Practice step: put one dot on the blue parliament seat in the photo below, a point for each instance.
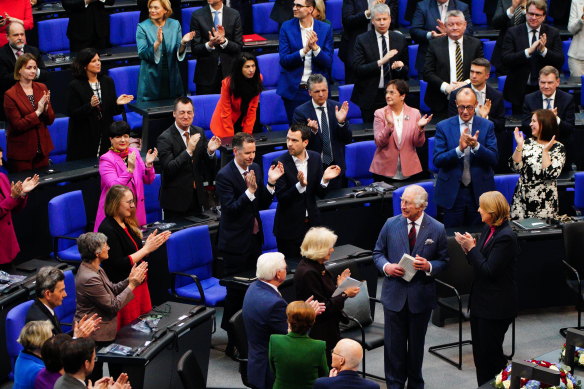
(191, 86)
(431, 166)
(272, 111)
(334, 13)
(478, 17)
(501, 86)
(506, 183)
(402, 6)
(412, 55)
(579, 191)
(123, 26)
(488, 47)
(190, 263)
(262, 24)
(126, 81)
(186, 14)
(267, 162)
(67, 220)
(345, 92)
(59, 131)
(66, 311)
(152, 204)
(338, 72)
(204, 108)
(15, 320)
(428, 186)
(53, 35)
(565, 67)
(269, 65)
(267, 216)
(424, 109)
(358, 157)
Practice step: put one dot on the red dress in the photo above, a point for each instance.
(19, 9)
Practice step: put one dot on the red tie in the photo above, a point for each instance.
(256, 225)
(19, 52)
(412, 236)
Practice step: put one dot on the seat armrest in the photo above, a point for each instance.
(195, 280)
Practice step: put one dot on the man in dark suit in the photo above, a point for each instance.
(356, 21)
(379, 56)
(242, 196)
(297, 189)
(407, 305)
(448, 63)
(186, 159)
(561, 103)
(508, 13)
(88, 23)
(465, 152)
(50, 292)
(8, 53)
(218, 41)
(428, 24)
(329, 132)
(78, 357)
(306, 47)
(526, 49)
(346, 358)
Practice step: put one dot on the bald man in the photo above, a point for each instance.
(346, 358)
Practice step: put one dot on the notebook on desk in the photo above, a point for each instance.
(531, 223)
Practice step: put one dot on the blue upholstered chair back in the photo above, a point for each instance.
(262, 24)
(428, 187)
(15, 320)
(488, 47)
(191, 86)
(267, 161)
(3, 141)
(334, 13)
(423, 106)
(272, 111)
(67, 218)
(431, 166)
(267, 217)
(402, 6)
(506, 183)
(338, 72)
(126, 81)
(478, 16)
(579, 191)
(501, 86)
(345, 92)
(123, 26)
(189, 251)
(53, 35)
(66, 311)
(59, 132)
(204, 108)
(153, 210)
(412, 55)
(358, 157)
(186, 14)
(269, 65)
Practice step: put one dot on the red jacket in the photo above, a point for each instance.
(228, 111)
(19, 9)
(9, 247)
(24, 124)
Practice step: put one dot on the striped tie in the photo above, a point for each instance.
(518, 16)
(459, 75)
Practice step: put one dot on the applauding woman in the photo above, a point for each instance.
(123, 165)
(160, 47)
(27, 106)
(398, 130)
(92, 107)
(240, 95)
(493, 300)
(126, 250)
(539, 162)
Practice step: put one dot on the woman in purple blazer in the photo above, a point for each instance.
(12, 197)
(122, 165)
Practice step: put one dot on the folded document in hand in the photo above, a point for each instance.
(348, 283)
(407, 262)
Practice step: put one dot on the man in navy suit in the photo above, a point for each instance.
(346, 358)
(297, 189)
(465, 152)
(526, 49)
(306, 47)
(428, 24)
(407, 305)
(327, 120)
(240, 237)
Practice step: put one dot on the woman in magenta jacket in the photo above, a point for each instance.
(398, 129)
(122, 165)
(12, 198)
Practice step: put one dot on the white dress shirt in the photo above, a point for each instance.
(481, 94)
(272, 286)
(307, 57)
(251, 196)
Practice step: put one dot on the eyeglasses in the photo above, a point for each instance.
(130, 202)
(337, 354)
(462, 108)
(531, 14)
(296, 5)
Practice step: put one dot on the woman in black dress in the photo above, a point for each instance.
(91, 107)
(312, 279)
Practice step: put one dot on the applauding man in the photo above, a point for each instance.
(327, 120)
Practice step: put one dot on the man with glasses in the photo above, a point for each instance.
(465, 152)
(448, 63)
(306, 47)
(526, 49)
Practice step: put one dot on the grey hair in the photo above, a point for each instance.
(379, 9)
(466, 91)
(8, 28)
(47, 279)
(454, 13)
(420, 194)
(269, 264)
(90, 244)
(315, 78)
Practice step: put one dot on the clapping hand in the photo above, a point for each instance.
(542, 42)
(397, 65)
(316, 305)
(138, 274)
(151, 157)
(519, 139)
(159, 35)
(388, 117)
(548, 146)
(463, 140)
(466, 241)
(331, 172)
(29, 184)
(441, 27)
(423, 122)
(389, 55)
(189, 36)
(301, 179)
(213, 144)
(483, 110)
(193, 140)
(94, 102)
(122, 99)
(313, 124)
(472, 141)
(312, 41)
(43, 103)
(155, 240)
(250, 181)
(341, 114)
(275, 172)
(15, 189)
(123, 382)
(343, 276)
(555, 111)
(131, 161)
(86, 326)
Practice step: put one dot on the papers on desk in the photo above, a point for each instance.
(407, 262)
(348, 283)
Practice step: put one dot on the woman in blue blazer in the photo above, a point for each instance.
(160, 47)
(493, 297)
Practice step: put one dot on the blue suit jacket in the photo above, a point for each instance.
(292, 65)
(424, 20)
(346, 379)
(264, 314)
(431, 243)
(450, 165)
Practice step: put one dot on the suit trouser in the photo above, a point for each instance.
(487, 346)
(464, 212)
(405, 334)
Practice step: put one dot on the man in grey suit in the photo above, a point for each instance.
(407, 305)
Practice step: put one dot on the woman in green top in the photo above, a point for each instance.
(296, 359)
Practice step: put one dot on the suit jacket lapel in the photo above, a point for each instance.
(434, 12)
(403, 233)
(290, 166)
(421, 238)
(239, 177)
(297, 35)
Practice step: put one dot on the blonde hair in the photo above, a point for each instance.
(495, 204)
(321, 8)
(317, 243)
(34, 334)
(165, 4)
(113, 199)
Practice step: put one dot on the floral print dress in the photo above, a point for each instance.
(536, 194)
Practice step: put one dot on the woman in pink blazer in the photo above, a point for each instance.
(398, 130)
(122, 165)
(12, 198)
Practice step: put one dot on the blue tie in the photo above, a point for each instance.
(548, 104)
(327, 153)
(216, 18)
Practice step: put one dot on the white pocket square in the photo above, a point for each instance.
(428, 242)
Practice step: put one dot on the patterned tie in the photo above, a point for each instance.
(216, 18)
(187, 136)
(327, 152)
(19, 52)
(412, 236)
(465, 179)
(256, 225)
(548, 103)
(458, 54)
(518, 15)
(386, 74)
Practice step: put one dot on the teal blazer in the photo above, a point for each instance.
(297, 360)
(149, 78)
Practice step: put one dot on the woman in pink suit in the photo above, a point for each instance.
(122, 165)
(398, 130)
(12, 198)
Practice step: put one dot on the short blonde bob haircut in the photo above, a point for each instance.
(301, 316)
(165, 5)
(496, 205)
(34, 334)
(321, 8)
(317, 243)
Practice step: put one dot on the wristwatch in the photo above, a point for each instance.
(344, 295)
